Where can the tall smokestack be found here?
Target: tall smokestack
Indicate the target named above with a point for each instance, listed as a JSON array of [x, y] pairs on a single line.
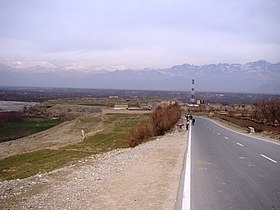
[[192, 100]]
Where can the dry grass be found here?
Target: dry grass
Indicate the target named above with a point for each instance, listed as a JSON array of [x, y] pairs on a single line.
[[162, 120], [139, 134], [268, 112]]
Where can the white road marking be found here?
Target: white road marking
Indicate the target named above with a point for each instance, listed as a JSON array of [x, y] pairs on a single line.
[[226, 137], [241, 145], [218, 133], [241, 158], [274, 161], [186, 202]]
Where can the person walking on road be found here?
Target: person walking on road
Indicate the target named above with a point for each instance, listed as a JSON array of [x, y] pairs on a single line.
[[193, 121], [187, 125]]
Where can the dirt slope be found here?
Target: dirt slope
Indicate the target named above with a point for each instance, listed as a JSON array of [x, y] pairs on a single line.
[[144, 177]]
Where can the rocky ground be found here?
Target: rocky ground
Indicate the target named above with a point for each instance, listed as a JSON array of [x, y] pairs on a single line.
[[144, 177]]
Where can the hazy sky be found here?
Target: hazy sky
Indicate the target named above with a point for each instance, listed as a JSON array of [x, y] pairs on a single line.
[[140, 33]]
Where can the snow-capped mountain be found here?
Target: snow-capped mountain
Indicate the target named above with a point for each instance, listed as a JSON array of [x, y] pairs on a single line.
[[31, 65], [260, 76]]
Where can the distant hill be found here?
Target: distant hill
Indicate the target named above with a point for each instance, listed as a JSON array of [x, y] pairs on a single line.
[[255, 77]]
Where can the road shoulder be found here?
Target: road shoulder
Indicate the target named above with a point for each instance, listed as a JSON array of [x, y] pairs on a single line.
[[150, 183], [144, 177]]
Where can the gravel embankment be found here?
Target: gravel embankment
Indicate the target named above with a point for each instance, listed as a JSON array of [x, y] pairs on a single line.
[[144, 177]]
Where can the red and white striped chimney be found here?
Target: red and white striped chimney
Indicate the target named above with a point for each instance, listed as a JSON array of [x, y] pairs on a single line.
[[192, 100]]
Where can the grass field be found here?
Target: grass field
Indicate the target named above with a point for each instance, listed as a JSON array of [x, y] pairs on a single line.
[[114, 135], [27, 126]]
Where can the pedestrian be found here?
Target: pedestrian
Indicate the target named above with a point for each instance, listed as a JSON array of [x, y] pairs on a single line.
[[187, 125], [193, 121]]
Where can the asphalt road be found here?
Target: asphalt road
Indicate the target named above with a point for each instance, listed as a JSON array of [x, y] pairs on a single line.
[[229, 170]]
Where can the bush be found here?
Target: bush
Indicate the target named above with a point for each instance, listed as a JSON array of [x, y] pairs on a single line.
[[268, 112], [162, 120], [139, 134], [159, 121]]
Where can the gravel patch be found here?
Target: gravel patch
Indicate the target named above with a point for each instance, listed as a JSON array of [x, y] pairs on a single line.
[[80, 185]]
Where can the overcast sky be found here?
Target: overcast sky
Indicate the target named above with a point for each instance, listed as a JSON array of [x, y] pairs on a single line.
[[140, 33]]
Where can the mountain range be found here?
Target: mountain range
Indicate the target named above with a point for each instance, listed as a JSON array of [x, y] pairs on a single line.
[[254, 77]]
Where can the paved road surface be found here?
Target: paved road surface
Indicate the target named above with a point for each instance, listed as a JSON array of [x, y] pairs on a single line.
[[232, 171]]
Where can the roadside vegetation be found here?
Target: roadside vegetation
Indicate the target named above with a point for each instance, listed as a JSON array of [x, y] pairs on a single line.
[[268, 112], [162, 120], [263, 116]]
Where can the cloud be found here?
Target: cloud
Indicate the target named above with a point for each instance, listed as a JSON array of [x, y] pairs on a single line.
[[141, 33]]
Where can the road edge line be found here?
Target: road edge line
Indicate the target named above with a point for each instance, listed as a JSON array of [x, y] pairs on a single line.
[[186, 201]]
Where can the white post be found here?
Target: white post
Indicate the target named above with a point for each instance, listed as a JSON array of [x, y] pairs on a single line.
[[83, 135]]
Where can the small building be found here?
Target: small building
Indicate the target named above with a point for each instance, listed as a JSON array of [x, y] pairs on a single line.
[[167, 103], [113, 97], [200, 102]]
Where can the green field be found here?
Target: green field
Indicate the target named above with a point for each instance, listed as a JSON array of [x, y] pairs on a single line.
[[114, 135], [27, 126]]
